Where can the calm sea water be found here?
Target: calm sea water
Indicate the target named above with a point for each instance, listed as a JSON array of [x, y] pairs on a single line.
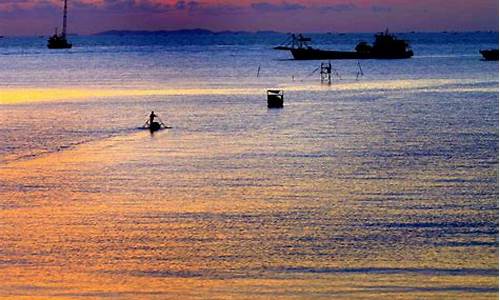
[[376, 187]]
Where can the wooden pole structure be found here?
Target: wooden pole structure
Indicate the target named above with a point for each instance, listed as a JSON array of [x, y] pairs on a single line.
[[326, 72]]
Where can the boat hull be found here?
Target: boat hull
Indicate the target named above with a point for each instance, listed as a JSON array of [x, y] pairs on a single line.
[[316, 54], [282, 48], [58, 42], [155, 126], [275, 98], [490, 54], [274, 101], [68, 46]]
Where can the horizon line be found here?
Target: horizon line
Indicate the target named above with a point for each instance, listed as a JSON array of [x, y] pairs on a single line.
[[209, 31]]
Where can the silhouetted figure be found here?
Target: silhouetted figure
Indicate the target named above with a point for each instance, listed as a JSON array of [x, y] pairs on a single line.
[[154, 123], [152, 117]]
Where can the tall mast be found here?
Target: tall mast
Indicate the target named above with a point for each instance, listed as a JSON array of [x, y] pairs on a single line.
[[65, 16]]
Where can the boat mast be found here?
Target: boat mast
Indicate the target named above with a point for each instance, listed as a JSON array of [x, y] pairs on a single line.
[[65, 16]]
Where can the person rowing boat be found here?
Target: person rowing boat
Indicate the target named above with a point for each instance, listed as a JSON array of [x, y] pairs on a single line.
[[154, 123]]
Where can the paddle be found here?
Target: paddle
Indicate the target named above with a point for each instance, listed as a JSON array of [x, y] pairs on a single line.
[[161, 122]]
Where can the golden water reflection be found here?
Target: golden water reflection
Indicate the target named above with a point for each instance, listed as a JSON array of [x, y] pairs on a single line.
[[14, 95], [194, 224]]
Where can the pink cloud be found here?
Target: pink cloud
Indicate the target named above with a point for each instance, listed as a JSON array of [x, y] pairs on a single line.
[[89, 16]]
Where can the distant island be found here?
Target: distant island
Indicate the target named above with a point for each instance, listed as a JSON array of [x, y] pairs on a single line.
[[197, 31], [200, 31]]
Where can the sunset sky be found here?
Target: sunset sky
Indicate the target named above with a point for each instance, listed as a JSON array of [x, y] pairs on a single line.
[[34, 17]]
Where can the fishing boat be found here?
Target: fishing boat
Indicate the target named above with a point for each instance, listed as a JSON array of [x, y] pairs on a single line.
[[386, 46], [59, 41], [155, 126], [301, 49], [154, 123], [491, 54]]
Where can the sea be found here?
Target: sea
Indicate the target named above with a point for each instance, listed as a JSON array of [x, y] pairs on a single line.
[[382, 184]]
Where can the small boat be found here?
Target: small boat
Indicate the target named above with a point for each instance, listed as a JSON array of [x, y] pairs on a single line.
[[59, 41], [386, 46], [491, 54], [275, 98], [155, 126], [154, 123]]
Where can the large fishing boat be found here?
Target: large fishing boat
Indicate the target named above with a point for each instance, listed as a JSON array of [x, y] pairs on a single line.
[[386, 46], [59, 41]]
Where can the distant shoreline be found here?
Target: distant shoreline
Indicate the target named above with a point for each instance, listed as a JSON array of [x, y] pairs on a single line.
[[200, 31]]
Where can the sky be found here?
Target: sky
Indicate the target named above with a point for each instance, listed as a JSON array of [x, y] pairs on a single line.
[[40, 17]]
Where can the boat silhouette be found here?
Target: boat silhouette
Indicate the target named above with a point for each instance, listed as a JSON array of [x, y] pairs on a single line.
[[59, 41], [491, 54], [154, 123], [386, 46], [275, 98]]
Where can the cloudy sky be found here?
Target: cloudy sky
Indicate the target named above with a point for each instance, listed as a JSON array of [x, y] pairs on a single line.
[[34, 17]]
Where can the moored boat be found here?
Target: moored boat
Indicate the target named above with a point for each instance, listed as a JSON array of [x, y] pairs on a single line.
[[275, 98], [386, 46], [491, 54], [59, 41]]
